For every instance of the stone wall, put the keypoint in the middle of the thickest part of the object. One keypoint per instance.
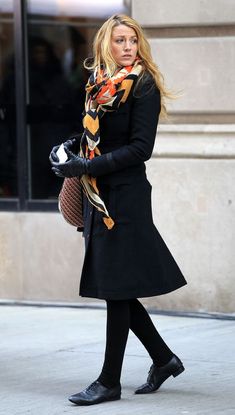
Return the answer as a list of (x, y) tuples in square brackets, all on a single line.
[(192, 172)]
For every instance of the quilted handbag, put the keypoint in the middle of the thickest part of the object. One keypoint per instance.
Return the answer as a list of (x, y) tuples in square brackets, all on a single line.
[(70, 202)]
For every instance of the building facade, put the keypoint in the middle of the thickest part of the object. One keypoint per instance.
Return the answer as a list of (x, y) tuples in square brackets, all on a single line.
[(192, 168)]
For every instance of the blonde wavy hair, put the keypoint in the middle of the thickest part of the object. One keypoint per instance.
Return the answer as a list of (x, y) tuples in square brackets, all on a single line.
[(102, 54)]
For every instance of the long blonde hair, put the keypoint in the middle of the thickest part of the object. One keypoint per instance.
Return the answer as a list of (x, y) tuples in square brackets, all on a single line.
[(102, 54)]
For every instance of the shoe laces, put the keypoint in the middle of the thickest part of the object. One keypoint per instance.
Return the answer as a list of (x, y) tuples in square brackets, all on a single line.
[(92, 386)]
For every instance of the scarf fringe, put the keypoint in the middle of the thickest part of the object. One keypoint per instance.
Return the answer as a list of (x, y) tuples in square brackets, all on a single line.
[(109, 222)]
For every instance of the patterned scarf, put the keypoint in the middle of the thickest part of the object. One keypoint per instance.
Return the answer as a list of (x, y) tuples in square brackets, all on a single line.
[(102, 94)]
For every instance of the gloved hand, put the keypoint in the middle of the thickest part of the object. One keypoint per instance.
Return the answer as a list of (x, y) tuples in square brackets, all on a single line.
[(69, 144), (75, 166)]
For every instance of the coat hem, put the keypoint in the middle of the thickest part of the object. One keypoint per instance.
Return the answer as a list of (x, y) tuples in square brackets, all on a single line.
[(137, 294)]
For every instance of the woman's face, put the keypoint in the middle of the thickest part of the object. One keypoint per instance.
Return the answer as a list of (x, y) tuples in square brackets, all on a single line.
[(124, 45)]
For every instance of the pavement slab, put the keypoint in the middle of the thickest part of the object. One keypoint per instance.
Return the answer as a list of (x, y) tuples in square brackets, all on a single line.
[(49, 353)]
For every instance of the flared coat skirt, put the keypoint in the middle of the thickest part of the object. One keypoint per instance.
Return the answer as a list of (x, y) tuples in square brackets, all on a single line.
[(131, 260)]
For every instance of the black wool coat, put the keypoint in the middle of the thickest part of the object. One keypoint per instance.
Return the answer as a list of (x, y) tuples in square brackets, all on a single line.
[(131, 260)]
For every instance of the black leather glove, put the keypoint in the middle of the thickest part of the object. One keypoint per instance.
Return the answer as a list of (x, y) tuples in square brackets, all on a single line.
[(75, 166), (70, 144)]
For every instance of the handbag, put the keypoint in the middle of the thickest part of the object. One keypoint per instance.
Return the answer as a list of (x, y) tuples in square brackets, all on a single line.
[(70, 202)]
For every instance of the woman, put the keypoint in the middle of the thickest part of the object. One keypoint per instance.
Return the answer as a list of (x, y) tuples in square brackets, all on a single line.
[(125, 257)]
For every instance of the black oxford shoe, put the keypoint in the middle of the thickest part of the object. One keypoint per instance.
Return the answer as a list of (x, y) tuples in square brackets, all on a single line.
[(158, 375), (96, 393)]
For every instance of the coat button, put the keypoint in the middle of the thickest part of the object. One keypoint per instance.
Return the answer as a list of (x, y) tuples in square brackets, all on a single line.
[(90, 212)]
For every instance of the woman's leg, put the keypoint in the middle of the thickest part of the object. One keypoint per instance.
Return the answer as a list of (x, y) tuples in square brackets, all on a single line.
[(118, 323), (165, 363), (107, 387), (143, 327)]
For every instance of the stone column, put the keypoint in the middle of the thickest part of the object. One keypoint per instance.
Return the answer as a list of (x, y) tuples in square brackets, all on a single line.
[(193, 169)]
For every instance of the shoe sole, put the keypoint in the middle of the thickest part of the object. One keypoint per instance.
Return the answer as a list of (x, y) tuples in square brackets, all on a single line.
[(84, 403)]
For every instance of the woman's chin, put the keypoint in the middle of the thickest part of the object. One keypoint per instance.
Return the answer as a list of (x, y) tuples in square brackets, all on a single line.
[(126, 62)]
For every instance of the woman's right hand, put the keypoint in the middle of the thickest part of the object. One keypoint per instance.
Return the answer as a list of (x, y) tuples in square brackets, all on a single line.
[(53, 156), (69, 144)]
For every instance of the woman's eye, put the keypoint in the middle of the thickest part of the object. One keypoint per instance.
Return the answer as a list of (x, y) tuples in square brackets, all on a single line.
[(133, 41)]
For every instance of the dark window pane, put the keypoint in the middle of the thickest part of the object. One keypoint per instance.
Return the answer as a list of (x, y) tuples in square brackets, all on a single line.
[(8, 151), (56, 95)]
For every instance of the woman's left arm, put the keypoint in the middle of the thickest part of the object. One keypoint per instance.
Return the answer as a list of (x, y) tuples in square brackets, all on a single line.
[(144, 121)]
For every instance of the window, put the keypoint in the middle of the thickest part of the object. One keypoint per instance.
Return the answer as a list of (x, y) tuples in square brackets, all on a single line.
[(42, 90)]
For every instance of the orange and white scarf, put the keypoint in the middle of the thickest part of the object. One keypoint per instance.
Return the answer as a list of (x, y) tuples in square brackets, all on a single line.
[(103, 94)]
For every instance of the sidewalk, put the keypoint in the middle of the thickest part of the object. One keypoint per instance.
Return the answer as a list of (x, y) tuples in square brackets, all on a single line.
[(50, 353)]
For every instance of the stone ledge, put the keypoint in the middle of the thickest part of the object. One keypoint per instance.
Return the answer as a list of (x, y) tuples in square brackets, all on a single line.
[(98, 305), (190, 31), (195, 141)]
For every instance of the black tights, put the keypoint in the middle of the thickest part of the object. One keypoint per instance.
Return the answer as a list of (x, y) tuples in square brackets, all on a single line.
[(121, 316)]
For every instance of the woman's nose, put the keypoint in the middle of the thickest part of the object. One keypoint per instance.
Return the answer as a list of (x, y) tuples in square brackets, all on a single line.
[(127, 46)]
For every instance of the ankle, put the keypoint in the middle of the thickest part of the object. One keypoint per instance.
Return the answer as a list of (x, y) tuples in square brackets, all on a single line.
[(163, 361), (108, 383)]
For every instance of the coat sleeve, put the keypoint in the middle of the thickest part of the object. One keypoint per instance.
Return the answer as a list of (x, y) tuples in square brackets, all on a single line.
[(144, 121)]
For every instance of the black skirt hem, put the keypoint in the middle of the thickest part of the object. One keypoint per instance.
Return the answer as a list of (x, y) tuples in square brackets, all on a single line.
[(138, 294)]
